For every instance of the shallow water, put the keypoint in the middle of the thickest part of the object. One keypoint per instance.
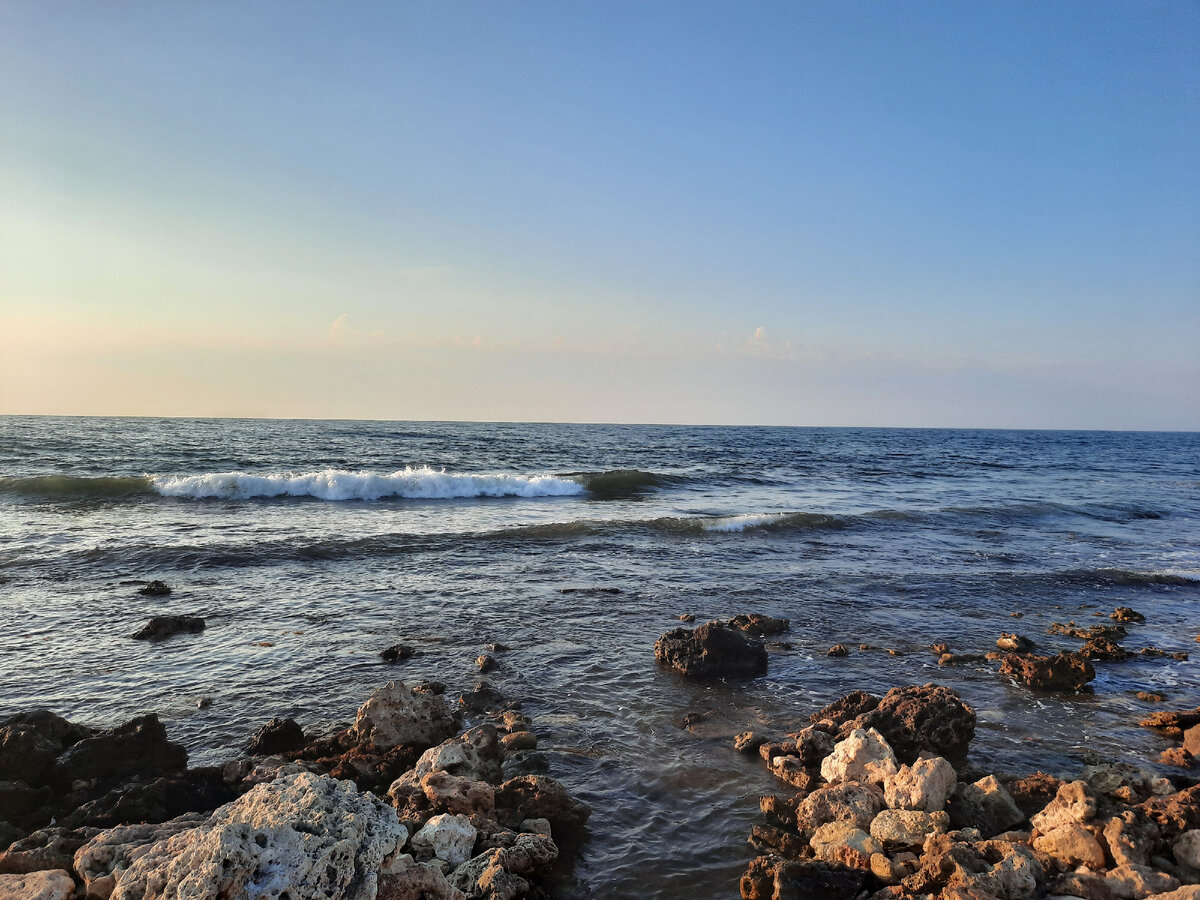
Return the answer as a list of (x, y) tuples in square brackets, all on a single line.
[(887, 537)]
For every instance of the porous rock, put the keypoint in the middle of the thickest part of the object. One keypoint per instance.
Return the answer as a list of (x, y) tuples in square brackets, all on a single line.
[(845, 709), (1074, 803), (1131, 838), (1138, 882), (475, 755), (1069, 672), (106, 856), (1072, 845), (907, 827), (713, 650), (541, 797), (1174, 813), (452, 794), (924, 785), (446, 836), (1187, 849), (47, 848), (849, 801), (844, 843), (1003, 870), (919, 718), (54, 884), (759, 625), (304, 835), (863, 755), (771, 878), (396, 715), (277, 736), (985, 805)]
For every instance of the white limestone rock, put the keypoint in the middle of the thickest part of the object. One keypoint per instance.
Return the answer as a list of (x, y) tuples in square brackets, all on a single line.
[(925, 785), (1074, 802), (1138, 882), (302, 836), (102, 860), (475, 755), (907, 827), (395, 715), (863, 755), (53, 884), (448, 837)]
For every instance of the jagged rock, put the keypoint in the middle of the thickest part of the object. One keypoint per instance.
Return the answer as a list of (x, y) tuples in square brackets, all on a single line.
[(524, 762), (475, 754), (1063, 672), (1187, 892), (1191, 740), (1178, 757), (519, 740), (907, 827), (1033, 792), (446, 836), (50, 885), (926, 717), (809, 745), (748, 742), (712, 650), (791, 770), (417, 882), (985, 805), (160, 627), (1115, 632), (1006, 871), (155, 589), (277, 736), (1138, 882), (771, 878), (484, 698), (541, 797), (925, 785), (860, 756), (850, 802), (30, 742), (779, 810), (1084, 884), (838, 650), (1174, 813), (303, 835), (48, 848), (1105, 650), (106, 856), (397, 653), (1186, 849), (780, 841), (759, 625), (452, 794), (1125, 614), (1074, 803), (1072, 845), (1126, 782), (846, 709), (395, 715), (502, 872), (1131, 838), (1014, 643), (844, 843), (24, 805), (194, 790), (486, 663), (137, 748)]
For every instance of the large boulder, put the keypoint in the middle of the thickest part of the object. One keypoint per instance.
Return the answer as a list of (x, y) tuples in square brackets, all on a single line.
[(860, 756), (195, 790), (101, 860), (713, 650), (771, 878), (395, 715), (1069, 672), (52, 885), (475, 755), (139, 747), (300, 836), (919, 718), (30, 742), (540, 797), (48, 848)]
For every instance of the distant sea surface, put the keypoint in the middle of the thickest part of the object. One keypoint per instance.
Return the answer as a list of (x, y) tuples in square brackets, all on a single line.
[(310, 546)]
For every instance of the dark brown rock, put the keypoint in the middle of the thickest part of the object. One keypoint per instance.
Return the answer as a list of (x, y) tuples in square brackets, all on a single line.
[(1014, 643), (540, 797), (1113, 632), (155, 589), (137, 748), (748, 742), (779, 810), (196, 790), (1033, 792), (482, 699), (25, 806), (49, 848), (1063, 672), (1151, 696), (712, 650), (397, 653), (849, 707), (1173, 721), (277, 736), (838, 650), (161, 627), (921, 717), (759, 625), (1125, 614), (769, 839), (1178, 757), (1191, 740), (30, 742), (771, 878), (486, 663), (1105, 650), (1175, 813)]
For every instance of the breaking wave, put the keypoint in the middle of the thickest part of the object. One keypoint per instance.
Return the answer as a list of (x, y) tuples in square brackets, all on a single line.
[(73, 487)]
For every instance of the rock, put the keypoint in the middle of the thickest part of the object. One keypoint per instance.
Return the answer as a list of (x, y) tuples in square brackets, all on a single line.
[(397, 653), (1151, 696), (30, 741), (395, 715), (502, 872), (1125, 614), (1186, 849), (277, 736), (925, 785), (711, 651), (748, 742), (687, 617), (845, 844), (1064, 672), (925, 717), (1072, 845), (792, 770), (49, 848), (446, 836), (1138, 882), (519, 740), (1174, 813), (907, 827), (771, 878), (1105, 650), (497, 647), (1116, 632), (1174, 720), (303, 835), (475, 755), (1125, 782), (1130, 838), (847, 708), (541, 797), (451, 794), (524, 762), (1084, 884), (861, 756), (194, 790), (486, 663), (809, 745), (155, 589), (1187, 892), (417, 882), (1003, 870), (484, 698), (1191, 740), (139, 747), (1074, 803), (848, 802), (759, 625), (161, 627), (1014, 643), (1177, 756), (838, 650), (106, 856), (51, 885), (985, 805)]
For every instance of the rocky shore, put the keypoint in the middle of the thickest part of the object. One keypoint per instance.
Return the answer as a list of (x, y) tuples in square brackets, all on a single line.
[(402, 805)]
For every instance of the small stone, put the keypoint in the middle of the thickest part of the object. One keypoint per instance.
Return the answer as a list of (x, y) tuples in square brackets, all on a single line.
[(838, 650), (486, 663), (1151, 696), (519, 740), (155, 589), (1125, 614), (448, 837), (1014, 643), (748, 742), (498, 648), (277, 736), (162, 627), (687, 617), (397, 653)]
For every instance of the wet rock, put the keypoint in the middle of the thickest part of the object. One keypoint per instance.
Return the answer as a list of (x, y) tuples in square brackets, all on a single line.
[(397, 653), (105, 856), (985, 805), (277, 736), (921, 718), (519, 740), (1174, 813), (448, 837), (541, 797), (504, 872), (846, 709), (1014, 643), (771, 878), (304, 830), (758, 625), (1033, 792), (1178, 757), (161, 627), (1151, 696), (486, 663), (1138, 882), (52, 885), (907, 827), (30, 742), (748, 742), (1072, 845), (484, 698), (462, 796), (925, 785), (396, 715), (809, 745), (1115, 632), (1104, 650), (525, 762), (780, 810), (712, 650), (137, 748), (194, 790), (838, 650), (155, 589), (1186, 849), (844, 843), (1173, 721), (48, 848), (848, 802), (770, 839), (1125, 614), (476, 755), (1063, 672), (1074, 803), (860, 756), (791, 770)]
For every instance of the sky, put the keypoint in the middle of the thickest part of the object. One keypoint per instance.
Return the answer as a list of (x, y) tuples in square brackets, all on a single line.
[(959, 214)]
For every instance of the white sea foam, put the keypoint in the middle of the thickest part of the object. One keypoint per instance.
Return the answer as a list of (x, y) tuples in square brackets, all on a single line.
[(744, 522), (335, 484)]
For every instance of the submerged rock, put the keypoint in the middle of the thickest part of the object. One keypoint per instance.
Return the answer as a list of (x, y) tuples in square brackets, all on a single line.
[(1064, 672), (759, 625), (155, 589), (712, 650), (161, 627)]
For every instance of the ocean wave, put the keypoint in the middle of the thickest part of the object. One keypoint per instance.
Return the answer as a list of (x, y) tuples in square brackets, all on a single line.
[(337, 484), (74, 487), (1133, 577), (619, 483)]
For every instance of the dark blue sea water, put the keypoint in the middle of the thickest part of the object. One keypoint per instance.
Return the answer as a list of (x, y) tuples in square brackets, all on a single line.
[(311, 546)]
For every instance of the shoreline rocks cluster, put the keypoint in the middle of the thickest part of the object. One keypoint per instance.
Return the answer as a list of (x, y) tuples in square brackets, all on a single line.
[(402, 805)]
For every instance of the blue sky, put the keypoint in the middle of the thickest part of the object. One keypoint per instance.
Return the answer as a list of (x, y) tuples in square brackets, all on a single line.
[(842, 213)]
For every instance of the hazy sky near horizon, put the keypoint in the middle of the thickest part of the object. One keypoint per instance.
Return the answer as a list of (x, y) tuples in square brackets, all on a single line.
[(838, 213)]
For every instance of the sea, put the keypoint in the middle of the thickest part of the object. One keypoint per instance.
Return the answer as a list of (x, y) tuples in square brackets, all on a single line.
[(310, 546)]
